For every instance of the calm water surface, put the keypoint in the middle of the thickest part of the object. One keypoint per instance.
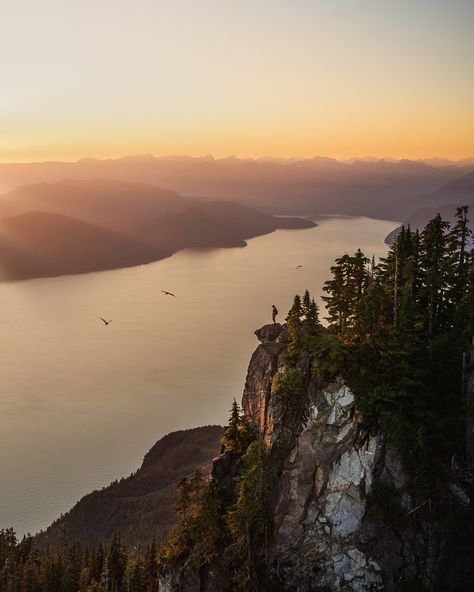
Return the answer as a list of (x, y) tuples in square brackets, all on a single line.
[(81, 403)]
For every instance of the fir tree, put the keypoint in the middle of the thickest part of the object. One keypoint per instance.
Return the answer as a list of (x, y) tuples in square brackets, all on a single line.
[(237, 435), (434, 268), (311, 314), (351, 278), (296, 311)]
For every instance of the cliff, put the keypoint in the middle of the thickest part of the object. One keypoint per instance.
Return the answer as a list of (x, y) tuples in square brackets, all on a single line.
[(342, 512)]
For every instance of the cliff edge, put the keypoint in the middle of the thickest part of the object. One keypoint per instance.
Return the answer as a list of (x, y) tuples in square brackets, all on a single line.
[(341, 512)]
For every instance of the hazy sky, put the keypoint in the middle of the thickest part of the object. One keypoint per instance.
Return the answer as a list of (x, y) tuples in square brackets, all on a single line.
[(251, 77)]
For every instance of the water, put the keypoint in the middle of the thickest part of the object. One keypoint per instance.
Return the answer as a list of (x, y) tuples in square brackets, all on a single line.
[(81, 403)]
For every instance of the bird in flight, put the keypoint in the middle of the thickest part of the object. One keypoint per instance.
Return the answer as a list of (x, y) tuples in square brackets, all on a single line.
[(168, 293), (298, 266), (105, 322)]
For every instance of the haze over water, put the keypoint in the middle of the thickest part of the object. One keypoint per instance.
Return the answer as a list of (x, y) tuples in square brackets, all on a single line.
[(81, 403)]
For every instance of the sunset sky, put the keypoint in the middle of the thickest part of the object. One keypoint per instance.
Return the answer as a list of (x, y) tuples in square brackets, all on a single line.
[(340, 78)]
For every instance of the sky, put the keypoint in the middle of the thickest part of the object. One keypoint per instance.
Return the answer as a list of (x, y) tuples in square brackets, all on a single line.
[(341, 78)]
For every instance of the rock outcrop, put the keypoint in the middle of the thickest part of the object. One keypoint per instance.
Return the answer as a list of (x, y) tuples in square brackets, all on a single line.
[(344, 516), (327, 465)]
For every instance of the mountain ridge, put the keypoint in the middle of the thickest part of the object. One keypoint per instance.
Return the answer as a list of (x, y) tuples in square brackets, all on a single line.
[(147, 223), (317, 185), (140, 506)]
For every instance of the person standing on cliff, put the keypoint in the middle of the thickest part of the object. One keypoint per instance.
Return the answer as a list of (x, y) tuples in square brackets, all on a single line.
[(274, 313)]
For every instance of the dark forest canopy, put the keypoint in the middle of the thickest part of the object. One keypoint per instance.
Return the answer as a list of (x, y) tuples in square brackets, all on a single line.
[(403, 325)]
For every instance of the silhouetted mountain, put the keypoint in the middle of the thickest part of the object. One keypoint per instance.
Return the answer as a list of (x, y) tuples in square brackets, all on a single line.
[(194, 227), (39, 244), (458, 191), (443, 162), (461, 187), (115, 205), (139, 506), (102, 224), (281, 186), (421, 217)]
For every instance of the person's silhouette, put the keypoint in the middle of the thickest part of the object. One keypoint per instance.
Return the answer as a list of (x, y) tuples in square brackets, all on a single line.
[(274, 313)]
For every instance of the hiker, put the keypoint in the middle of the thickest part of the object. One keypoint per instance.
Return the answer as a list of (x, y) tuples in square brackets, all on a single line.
[(274, 313)]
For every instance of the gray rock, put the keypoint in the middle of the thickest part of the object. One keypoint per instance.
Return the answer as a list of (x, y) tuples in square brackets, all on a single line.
[(345, 512), (325, 534), (269, 332)]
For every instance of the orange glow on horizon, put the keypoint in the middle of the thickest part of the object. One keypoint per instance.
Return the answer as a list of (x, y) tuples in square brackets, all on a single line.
[(342, 79)]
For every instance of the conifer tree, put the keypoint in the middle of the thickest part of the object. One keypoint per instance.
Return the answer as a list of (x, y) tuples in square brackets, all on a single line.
[(350, 279), (312, 316), (434, 268), (149, 572), (306, 303), (458, 242), (237, 434), (296, 311), (311, 313)]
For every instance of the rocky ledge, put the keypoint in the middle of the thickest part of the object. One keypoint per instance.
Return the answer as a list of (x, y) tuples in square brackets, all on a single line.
[(344, 517), (333, 529)]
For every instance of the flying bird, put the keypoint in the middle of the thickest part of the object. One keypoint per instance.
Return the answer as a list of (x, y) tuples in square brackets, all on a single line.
[(168, 293), (298, 266), (105, 322)]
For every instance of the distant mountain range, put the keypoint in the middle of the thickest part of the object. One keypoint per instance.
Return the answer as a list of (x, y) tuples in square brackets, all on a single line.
[(76, 226), (40, 244), (459, 190), (141, 506), (141, 208), (420, 209), (278, 186)]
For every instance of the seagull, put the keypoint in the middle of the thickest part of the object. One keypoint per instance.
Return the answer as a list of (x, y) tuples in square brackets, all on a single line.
[(168, 293), (105, 322)]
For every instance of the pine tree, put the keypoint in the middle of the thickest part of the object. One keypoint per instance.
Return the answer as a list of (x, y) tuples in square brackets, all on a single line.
[(296, 311), (458, 242), (294, 325), (149, 573), (338, 300), (311, 314), (351, 278), (237, 434), (306, 303), (434, 268), (117, 563)]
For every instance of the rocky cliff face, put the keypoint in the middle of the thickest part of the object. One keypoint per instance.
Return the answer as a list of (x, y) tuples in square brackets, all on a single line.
[(343, 516), (327, 471)]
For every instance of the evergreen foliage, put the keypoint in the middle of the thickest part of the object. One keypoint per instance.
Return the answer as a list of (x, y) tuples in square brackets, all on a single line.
[(303, 323), (288, 382), (229, 534), (237, 435), (345, 289), (115, 568), (405, 324)]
